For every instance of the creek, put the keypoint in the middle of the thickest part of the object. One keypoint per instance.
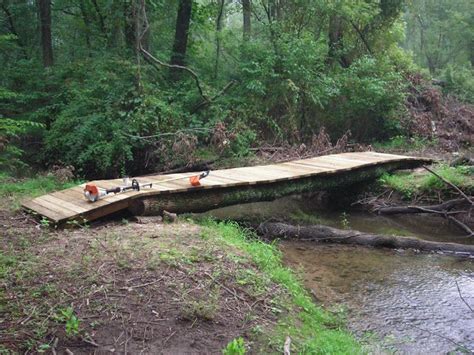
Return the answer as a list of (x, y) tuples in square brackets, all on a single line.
[(394, 300)]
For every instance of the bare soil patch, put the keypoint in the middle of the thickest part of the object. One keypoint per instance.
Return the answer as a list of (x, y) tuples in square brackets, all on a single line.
[(134, 287)]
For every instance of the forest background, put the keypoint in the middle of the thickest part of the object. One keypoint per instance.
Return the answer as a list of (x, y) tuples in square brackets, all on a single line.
[(127, 87)]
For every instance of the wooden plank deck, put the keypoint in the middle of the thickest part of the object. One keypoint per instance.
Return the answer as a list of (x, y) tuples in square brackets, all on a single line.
[(70, 204)]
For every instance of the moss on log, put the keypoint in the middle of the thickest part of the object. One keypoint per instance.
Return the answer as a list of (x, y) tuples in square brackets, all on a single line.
[(203, 200)]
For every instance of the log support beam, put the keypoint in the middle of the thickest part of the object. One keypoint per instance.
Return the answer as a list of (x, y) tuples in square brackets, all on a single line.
[(204, 200)]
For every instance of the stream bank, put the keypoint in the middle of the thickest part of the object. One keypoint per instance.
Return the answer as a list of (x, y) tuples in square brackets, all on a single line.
[(394, 300)]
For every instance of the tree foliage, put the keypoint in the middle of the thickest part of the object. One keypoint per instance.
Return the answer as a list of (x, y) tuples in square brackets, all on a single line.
[(265, 70)]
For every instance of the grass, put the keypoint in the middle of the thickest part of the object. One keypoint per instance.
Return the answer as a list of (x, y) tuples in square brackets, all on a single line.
[(403, 143), (410, 184), (312, 329), (14, 190)]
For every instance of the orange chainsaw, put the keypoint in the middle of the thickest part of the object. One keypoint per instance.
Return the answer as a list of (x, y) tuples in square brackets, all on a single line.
[(93, 193)]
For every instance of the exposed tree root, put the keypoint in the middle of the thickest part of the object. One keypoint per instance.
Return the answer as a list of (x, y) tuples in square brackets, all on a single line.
[(325, 234)]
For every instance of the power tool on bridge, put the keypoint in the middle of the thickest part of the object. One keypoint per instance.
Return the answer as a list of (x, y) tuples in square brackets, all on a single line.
[(93, 193)]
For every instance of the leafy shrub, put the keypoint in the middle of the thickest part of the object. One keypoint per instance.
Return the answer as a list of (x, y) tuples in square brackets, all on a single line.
[(370, 95), (10, 131), (460, 82), (104, 115)]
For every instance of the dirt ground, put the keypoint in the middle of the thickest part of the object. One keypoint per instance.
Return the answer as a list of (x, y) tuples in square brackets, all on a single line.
[(128, 287)]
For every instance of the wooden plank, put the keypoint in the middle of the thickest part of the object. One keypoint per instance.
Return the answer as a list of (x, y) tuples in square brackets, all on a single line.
[(253, 174), (297, 170), (311, 167), (343, 163), (318, 165), (106, 210), (213, 181), (62, 211), (223, 174), (61, 203), (43, 211)]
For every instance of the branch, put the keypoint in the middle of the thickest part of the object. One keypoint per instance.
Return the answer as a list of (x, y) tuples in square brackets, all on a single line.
[(450, 184), (174, 66), (461, 225), (167, 134), (206, 101), (462, 298), (153, 60), (361, 35), (150, 57)]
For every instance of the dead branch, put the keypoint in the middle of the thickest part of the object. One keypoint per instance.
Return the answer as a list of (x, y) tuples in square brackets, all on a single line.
[(442, 208), (462, 298), (450, 184), (461, 225), (287, 346)]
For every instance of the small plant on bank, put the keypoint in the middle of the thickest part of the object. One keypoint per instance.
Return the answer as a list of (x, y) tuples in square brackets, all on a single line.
[(84, 224), (44, 222), (202, 308), (345, 220), (235, 347), (70, 319)]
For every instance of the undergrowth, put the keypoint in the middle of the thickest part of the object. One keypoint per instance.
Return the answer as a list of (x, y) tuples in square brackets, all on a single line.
[(404, 143), (312, 329), (409, 184)]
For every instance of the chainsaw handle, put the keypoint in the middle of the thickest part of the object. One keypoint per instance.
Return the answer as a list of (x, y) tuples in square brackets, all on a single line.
[(204, 174), (115, 190)]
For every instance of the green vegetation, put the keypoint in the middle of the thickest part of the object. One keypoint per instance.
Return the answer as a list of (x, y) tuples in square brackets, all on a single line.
[(12, 190), (70, 320), (411, 184), (235, 347), (440, 37), (312, 329), (404, 143), (88, 83), (216, 258)]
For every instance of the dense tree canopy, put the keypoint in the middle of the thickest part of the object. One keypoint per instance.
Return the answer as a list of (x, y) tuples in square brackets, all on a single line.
[(128, 86)]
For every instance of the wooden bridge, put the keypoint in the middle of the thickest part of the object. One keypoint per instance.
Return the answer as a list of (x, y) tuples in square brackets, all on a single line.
[(222, 187)]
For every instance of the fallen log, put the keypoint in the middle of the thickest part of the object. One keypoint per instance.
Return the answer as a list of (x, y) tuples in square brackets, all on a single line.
[(324, 234), (442, 207)]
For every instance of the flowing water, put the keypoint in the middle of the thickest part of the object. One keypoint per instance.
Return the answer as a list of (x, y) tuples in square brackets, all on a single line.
[(394, 300)]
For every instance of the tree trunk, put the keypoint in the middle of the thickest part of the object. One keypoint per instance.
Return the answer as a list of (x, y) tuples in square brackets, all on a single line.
[(247, 11), (130, 13), (336, 45), (180, 44), (325, 234), (201, 200), (220, 15), (87, 23), (45, 26), (100, 17)]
